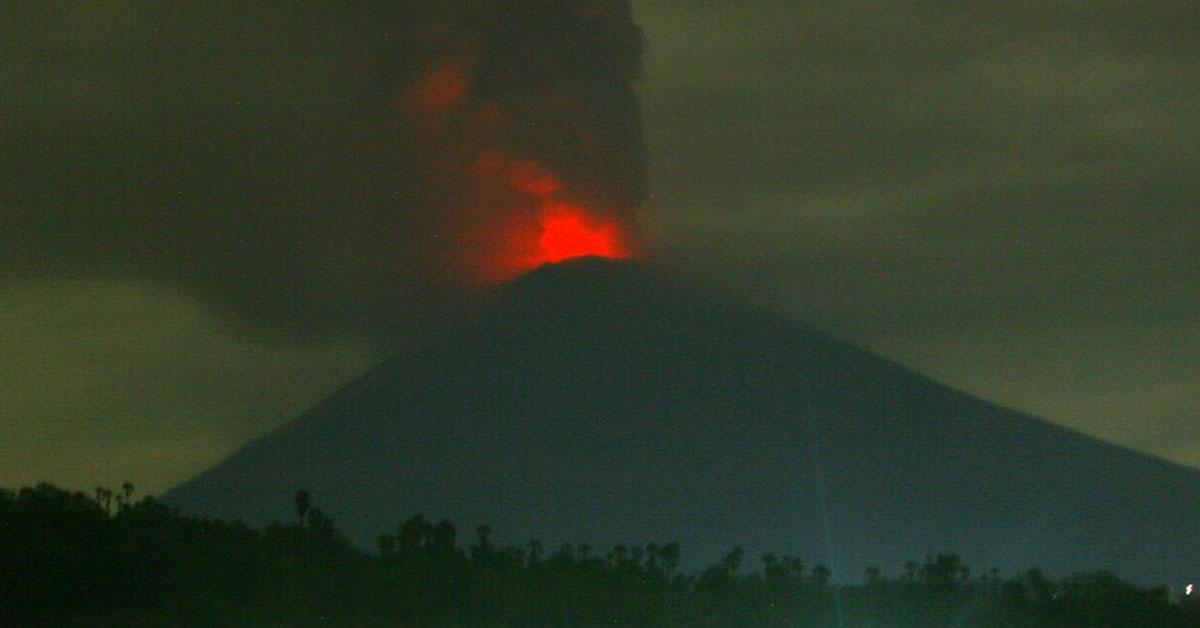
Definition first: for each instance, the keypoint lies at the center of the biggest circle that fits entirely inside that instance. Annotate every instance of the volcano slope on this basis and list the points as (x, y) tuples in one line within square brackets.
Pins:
[(596, 402)]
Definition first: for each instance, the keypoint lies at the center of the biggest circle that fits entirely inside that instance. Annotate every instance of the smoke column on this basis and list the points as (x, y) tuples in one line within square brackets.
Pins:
[(535, 153), (316, 169)]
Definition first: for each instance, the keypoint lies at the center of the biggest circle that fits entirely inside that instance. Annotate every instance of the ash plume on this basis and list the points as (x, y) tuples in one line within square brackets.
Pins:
[(311, 169)]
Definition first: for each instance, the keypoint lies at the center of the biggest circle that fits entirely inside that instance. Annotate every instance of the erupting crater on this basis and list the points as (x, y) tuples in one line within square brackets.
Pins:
[(568, 232), (542, 224), (511, 205)]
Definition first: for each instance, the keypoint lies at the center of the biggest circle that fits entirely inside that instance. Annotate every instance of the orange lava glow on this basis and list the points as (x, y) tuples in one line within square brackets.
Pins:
[(505, 214), (567, 232), (539, 222)]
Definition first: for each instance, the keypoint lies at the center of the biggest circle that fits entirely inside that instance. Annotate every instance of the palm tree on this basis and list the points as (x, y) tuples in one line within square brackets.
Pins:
[(564, 555), (104, 497), (670, 557), (943, 570), (635, 556), (387, 546), (792, 568), (733, 560), (441, 539), (411, 534), (303, 504), (535, 552), (770, 566), (821, 575), (125, 497), (482, 550), (874, 576), (652, 557), (616, 557)]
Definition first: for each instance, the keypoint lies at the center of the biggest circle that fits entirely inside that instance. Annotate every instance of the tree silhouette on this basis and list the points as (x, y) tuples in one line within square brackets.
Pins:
[(617, 556), (303, 503), (535, 552), (441, 539), (481, 552), (944, 570), (564, 555), (652, 558), (793, 568), (320, 524), (873, 575), (411, 535), (104, 497), (387, 546), (66, 559), (636, 554), (670, 556), (733, 560), (821, 575)]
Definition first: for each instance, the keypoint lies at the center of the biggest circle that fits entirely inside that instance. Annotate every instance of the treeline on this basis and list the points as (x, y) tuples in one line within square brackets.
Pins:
[(106, 559)]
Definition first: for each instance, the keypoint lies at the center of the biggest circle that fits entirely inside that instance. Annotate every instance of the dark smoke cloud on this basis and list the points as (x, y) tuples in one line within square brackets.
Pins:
[(271, 160)]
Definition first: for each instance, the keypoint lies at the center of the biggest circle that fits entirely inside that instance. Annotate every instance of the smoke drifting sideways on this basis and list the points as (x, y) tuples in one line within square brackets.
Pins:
[(318, 170)]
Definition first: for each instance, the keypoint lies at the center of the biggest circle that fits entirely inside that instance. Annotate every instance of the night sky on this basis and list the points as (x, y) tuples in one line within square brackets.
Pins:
[(210, 221)]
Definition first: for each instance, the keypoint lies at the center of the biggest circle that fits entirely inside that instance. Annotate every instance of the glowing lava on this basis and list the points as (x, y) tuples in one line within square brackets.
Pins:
[(559, 231), (538, 221), (508, 214), (568, 232)]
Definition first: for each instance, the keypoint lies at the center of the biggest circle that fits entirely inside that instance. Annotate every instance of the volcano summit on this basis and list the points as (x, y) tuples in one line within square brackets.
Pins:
[(595, 401)]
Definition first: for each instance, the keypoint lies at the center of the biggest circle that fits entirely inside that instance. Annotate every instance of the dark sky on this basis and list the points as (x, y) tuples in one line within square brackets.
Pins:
[(199, 233)]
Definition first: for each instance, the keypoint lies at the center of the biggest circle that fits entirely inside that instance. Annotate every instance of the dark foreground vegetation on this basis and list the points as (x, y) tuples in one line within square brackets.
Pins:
[(72, 559)]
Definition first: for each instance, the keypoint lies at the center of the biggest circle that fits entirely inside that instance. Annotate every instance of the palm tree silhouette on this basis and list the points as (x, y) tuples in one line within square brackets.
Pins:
[(670, 557), (387, 546), (821, 575), (303, 504), (441, 539), (104, 497), (482, 549), (535, 552), (411, 534), (733, 560), (652, 557)]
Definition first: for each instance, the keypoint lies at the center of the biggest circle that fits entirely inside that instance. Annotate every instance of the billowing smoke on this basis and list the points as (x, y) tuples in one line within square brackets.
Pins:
[(525, 117), (317, 168)]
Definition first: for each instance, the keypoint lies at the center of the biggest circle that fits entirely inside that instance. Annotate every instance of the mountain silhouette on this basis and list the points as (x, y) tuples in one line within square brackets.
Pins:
[(599, 402)]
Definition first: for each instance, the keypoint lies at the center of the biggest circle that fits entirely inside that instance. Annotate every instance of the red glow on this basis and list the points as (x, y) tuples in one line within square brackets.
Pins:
[(564, 229), (540, 186), (441, 87), (508, 214), (568, 232), (538, 221)]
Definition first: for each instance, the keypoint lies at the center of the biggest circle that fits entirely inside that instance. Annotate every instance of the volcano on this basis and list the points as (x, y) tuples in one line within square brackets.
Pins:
[(598, 402)]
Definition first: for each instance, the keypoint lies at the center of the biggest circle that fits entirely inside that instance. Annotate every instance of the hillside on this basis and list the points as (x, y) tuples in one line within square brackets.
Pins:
[(598, 401)]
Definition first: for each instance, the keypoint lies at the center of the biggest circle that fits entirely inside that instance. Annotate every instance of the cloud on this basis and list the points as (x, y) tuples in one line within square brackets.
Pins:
[(1006, 161), (955, 184), (112, 380)]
